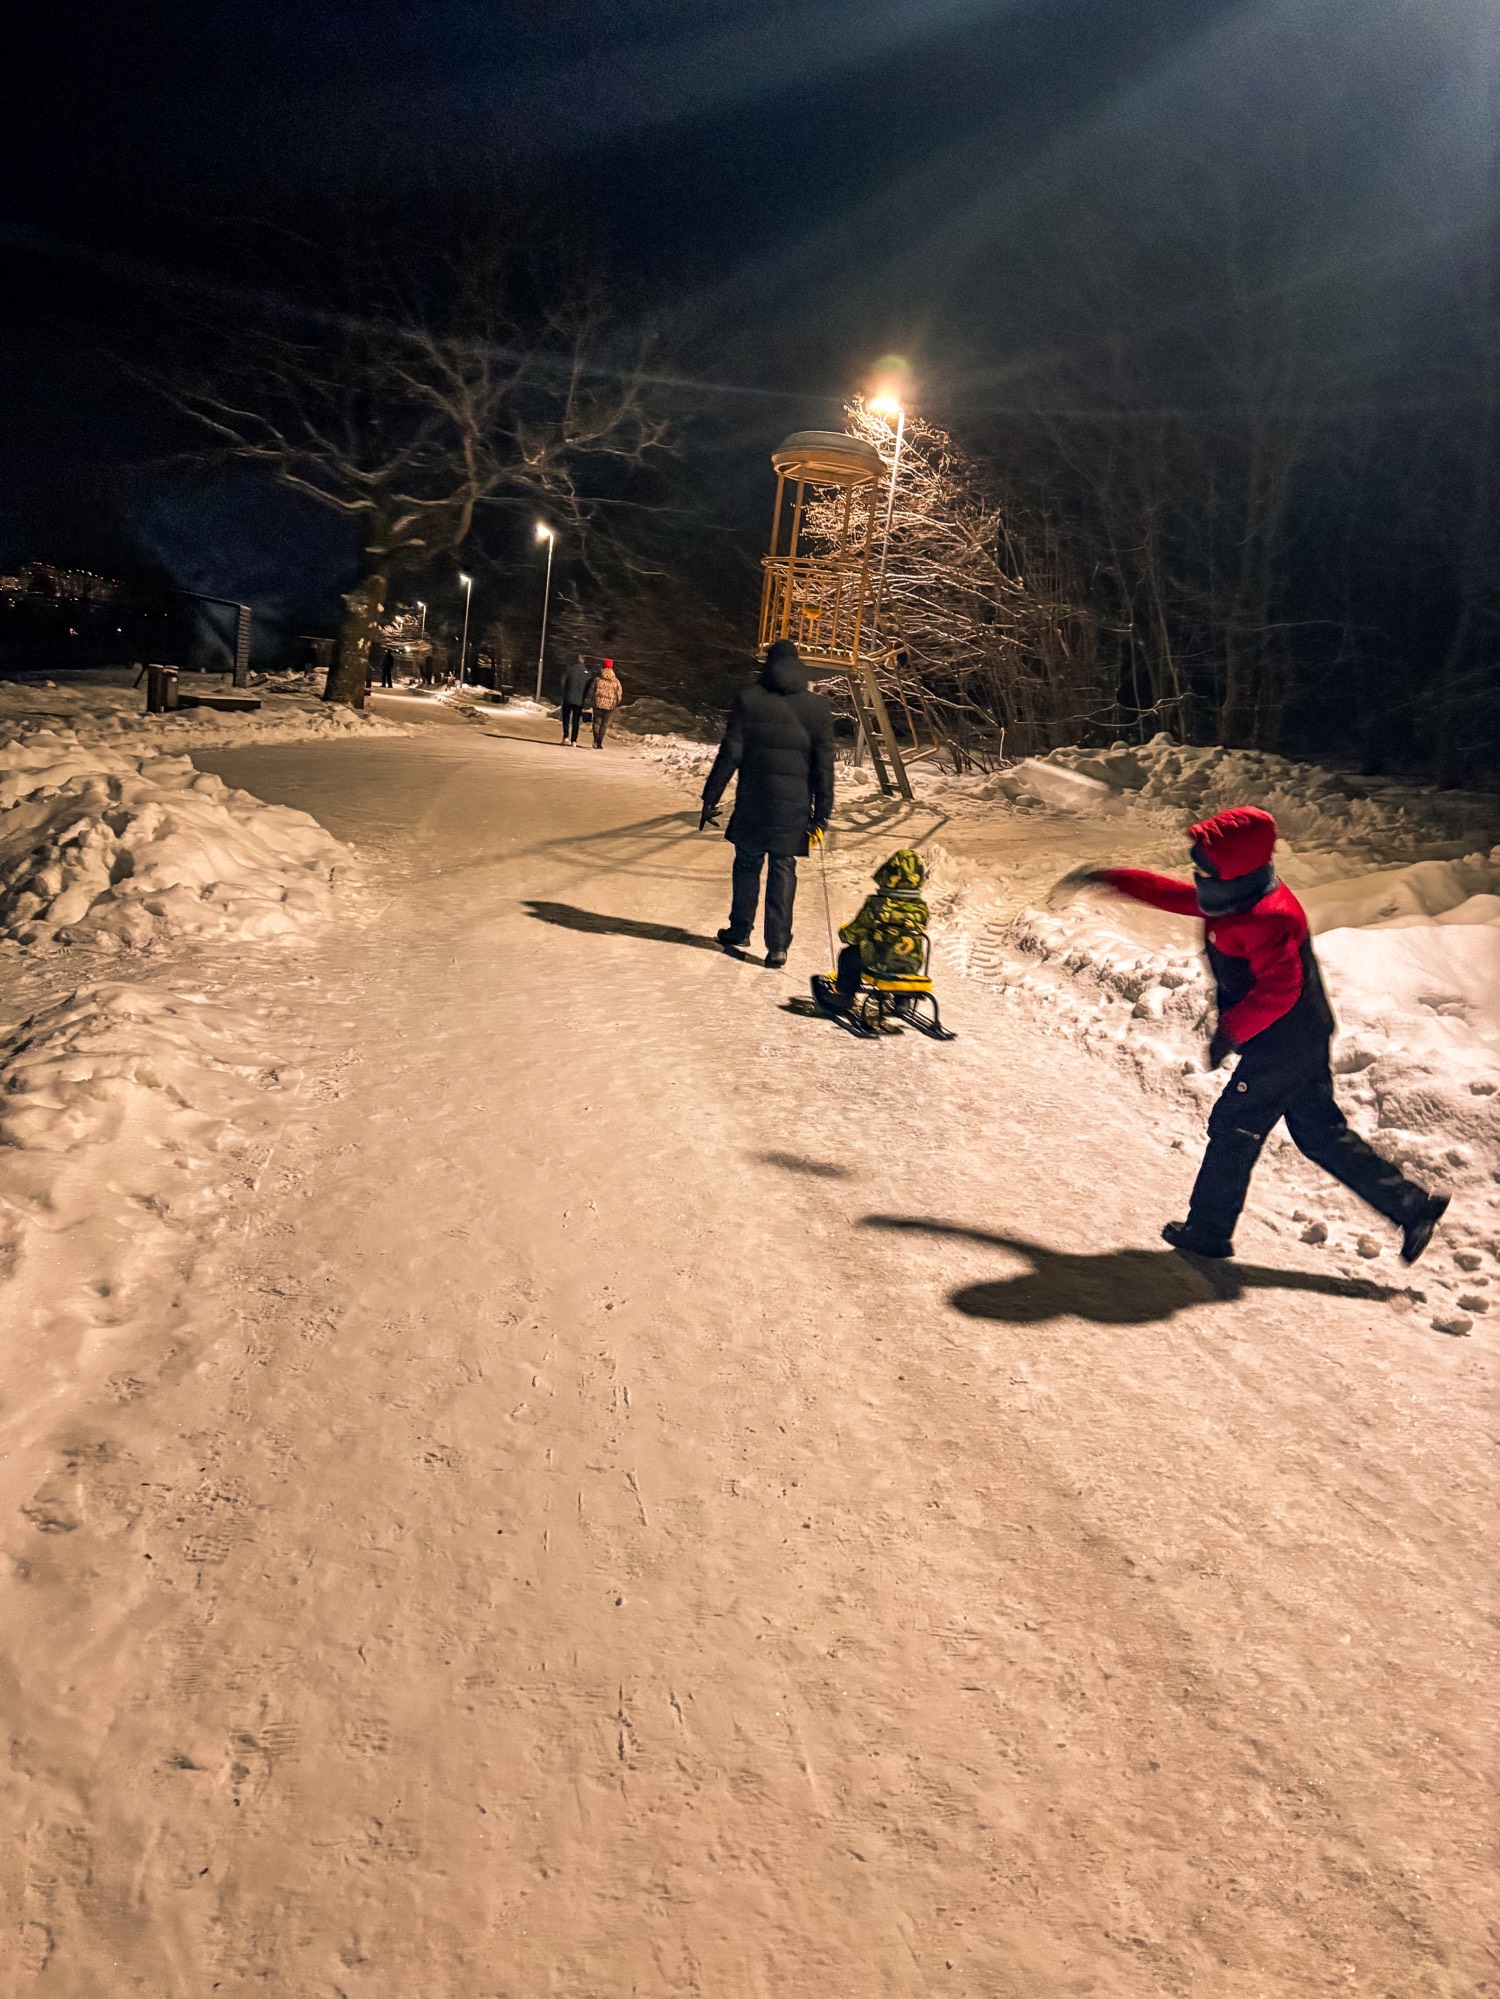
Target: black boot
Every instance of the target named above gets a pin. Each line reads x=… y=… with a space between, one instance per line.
x=775 y=960
x=1193 y=1242
x=1416 y=1235
x=731 y=939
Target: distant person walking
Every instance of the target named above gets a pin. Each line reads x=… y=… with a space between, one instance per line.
x=604 y=695
x=779 y=739
x=388 y=668
x=575 y=683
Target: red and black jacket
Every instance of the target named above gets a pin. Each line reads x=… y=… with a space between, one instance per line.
x=1269 y=987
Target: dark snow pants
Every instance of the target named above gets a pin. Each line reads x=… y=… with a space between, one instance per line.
x=1258 y=1095
x=572 y=715
x=851 y=969
x=781 y=893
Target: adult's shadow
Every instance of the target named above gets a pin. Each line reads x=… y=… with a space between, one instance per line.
x=1118 y=1287
x=596 y=924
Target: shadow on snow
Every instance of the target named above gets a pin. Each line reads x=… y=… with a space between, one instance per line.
x=596 y=924
x=1118 y=1287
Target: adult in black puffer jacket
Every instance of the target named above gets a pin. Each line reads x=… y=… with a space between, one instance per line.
x=780 y=741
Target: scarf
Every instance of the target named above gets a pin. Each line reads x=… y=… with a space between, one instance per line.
x=1232 y=898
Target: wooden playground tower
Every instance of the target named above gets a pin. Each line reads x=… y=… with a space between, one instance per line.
x=822 y=600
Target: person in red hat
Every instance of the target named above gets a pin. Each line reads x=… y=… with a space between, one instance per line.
x=1274 y=1014
x=604 y=695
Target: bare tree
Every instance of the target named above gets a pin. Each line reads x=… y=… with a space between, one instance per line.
x=982 y=629
x=1175 y=425
x=431 y=404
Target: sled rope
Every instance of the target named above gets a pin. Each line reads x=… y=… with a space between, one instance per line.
x=833 y=956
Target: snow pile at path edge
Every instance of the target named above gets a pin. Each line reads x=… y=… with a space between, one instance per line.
x=109 y=714
x=1315 y=808
x=121 y=851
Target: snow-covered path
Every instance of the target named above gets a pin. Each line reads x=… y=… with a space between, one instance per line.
x=656 y=1497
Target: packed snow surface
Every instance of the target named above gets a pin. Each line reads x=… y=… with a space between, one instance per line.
x=623 y=1431
x=118 y=1109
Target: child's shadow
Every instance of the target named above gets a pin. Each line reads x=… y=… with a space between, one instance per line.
x=1118 y=1287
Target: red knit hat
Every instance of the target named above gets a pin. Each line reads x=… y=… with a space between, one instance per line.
x=1236 y=842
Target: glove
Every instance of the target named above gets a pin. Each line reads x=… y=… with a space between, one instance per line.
x=709 y=816
x=817 y=836
x=1071 y=883
x=1221 y=1047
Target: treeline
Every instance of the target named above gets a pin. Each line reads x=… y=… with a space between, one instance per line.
x=1228 y=456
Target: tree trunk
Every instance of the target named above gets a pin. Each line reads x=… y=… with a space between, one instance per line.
x=363 y=610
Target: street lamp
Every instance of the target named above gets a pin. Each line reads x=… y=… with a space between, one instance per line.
x=887 y=406
x=463 y=645
x=546 y=534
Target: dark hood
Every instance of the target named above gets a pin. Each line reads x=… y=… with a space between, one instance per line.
x=783 y=672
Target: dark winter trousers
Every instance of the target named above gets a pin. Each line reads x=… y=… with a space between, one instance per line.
x=851 y=970
x=781 y=893
x=572 y=716
x=1259 y=1094
x=602 y=719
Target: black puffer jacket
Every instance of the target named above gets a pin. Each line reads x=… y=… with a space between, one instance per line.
x=780 y=740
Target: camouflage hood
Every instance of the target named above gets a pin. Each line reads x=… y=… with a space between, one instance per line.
x=902 y=874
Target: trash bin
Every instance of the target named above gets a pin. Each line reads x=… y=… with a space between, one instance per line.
x=161 y=689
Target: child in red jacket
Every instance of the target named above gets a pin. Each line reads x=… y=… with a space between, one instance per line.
x=1274 y=1013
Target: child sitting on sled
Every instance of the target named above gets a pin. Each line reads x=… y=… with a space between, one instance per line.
x=887 y=939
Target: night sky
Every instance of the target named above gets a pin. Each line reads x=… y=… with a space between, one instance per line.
x=802 y=186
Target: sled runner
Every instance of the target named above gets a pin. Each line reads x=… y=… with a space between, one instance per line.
x=886 y=1005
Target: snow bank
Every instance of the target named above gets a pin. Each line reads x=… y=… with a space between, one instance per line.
x=646 y=716
x=118 y=850
x=102 y=710
x=1314 y=807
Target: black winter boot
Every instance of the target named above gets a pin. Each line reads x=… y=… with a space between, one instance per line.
x=731 y=939
x=775 y=960
x=1416 y=1235
x=1193 y=1242
x=825 y=991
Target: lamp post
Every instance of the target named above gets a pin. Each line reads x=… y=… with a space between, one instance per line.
x=885 y=406
x=546 y=534
x=463 y=644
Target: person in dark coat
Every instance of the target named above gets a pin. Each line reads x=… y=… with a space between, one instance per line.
x=779 y=740
x=574 y=681
x=1273 y=1013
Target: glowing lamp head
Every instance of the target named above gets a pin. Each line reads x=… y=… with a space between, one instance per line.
x=543 y=532
x=885 y=406
x=465 y=580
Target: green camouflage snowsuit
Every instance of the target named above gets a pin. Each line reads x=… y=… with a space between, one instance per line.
x=891 y=928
